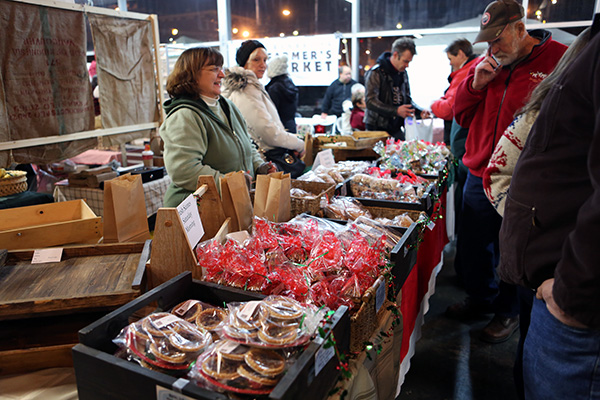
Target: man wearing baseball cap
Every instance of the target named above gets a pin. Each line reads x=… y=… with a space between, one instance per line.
x=496 y=87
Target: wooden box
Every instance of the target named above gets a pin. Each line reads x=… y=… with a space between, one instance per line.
x=48 y=225
x=358 y=140
x=425 y=202
x=42 y=306
x=101 y=375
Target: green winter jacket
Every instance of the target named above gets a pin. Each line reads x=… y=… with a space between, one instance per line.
x=197 y=142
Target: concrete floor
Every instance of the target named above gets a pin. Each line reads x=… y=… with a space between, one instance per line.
x=450 y=361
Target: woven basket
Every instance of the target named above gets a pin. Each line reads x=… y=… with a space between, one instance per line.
x=364 y=322
x=17 y=183
x=310 y=206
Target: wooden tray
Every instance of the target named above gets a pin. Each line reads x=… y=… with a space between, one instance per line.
x=47 y=225
x=101 y=375
x=358 y=140
x=87 y=278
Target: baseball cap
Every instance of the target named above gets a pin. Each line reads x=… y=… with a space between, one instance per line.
x=496 y=16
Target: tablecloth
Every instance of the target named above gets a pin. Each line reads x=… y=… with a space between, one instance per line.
x=154 y=192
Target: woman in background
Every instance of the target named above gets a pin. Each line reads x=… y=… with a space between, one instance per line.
x=204 y=133
x=243 y=88
x=283 y=92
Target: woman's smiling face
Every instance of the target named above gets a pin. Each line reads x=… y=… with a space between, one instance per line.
x=257 y=62
x=209 y=80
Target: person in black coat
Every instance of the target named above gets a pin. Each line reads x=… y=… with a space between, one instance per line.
x=283 y=92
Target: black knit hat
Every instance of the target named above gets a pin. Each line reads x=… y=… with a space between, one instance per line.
x=243 y=53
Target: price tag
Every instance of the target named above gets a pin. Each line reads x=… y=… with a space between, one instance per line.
x=182 y=309
x=168 y=394
x=190 y=218
x=405 y=251
x=380 y=296
x=42 y=256
x=228 y=347
x=248 y=310
x=431 y=225
x=322 y=357
x=165 y=321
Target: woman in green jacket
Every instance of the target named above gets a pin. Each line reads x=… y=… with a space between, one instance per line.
x=204 y=133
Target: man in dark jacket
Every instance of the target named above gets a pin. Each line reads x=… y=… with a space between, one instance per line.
x=337 y=92
x=549 y=235
x=388 y=92
x=495 y=88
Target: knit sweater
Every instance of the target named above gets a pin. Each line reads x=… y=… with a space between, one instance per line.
x=498 y=174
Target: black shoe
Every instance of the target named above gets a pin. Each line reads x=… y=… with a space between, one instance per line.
x=467 y=309
x=499 y=329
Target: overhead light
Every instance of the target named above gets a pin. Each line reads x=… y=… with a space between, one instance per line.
x=245 y=34
x=398 y=25
x=286 y=12
x=281 y=34
x=295 y=33
x=234 y=30
x=174 y=31
x=367 y=51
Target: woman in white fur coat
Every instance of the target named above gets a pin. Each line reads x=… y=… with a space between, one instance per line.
x=243 y=88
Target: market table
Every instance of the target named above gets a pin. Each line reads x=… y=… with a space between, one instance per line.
x=154 y=192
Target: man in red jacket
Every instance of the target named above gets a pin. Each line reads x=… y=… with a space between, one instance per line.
x=486 y=101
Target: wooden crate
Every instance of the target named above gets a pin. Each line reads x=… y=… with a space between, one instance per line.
x=48 y=225
x=42 y=306
x=358 y=140
x=101 y=375
x=425 y=202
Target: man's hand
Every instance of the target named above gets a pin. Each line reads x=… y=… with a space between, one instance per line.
x=323 y=115
x=544 y=293
x=300 y=154
x=425 y=114
x=406 y=110
x=485 y=72
x=266 y=168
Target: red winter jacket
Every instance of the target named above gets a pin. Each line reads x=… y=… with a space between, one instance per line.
x=442 y=108
x=488 y=112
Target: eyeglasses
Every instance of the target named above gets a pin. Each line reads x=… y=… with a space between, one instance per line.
x=213 y=68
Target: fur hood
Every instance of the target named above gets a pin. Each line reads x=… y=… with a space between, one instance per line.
x=278 y=66
x=238 y=78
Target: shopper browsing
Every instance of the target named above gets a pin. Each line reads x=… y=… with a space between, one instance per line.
x=241 y=85
x=283 y=92
x=338 y=92
x=204 y=133
x=486 y=101
x=388 y=91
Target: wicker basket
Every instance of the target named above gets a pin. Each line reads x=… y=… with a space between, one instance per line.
x=364 y=322
x=14 y=184
x=310 y=206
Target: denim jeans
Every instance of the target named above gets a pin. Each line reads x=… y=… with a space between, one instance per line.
x=560 y=362
x=478 y=253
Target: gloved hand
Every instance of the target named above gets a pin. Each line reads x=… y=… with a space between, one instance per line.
x=266 y=168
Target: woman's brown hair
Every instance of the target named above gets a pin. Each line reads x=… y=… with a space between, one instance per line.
x=182 y=81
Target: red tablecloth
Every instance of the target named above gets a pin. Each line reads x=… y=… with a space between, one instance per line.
x=420 y=284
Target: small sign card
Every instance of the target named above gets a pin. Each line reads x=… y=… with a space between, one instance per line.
x=322 y=357
x=42 y=256
x=168 y=394
x=380 y=296
x=324 y=158
x=190 y=218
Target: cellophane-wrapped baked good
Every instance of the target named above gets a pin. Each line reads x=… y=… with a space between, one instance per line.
x=163 y=342
x=344 y=208
x=412 y=155
x=308 y=259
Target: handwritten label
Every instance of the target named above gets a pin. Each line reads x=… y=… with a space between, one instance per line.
x=190 y=218
x=380 y=296
x=431 y=225
x=324 y=158
x=42 y=256
x=165 y=321
x=322 y=357
x=168 y=394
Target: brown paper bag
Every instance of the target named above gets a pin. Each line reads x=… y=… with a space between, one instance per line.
x=125 y=210
x=272 y=197
x=236 y=200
